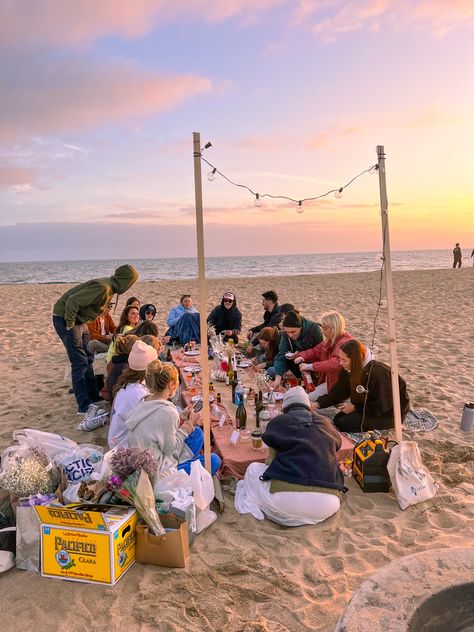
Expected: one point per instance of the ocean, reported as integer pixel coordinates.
(219, 267)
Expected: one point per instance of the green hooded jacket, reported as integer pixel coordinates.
(84, 302)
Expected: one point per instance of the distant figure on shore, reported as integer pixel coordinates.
(76, 307)
(457, 254)
(472, 257)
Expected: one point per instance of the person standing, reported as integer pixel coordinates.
(457, 254)
(76, 307)
(472, 257)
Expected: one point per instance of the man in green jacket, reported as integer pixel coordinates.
(76, 307)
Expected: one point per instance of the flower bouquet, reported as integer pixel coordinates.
(126, 461)
(136, 490)
(28, 471)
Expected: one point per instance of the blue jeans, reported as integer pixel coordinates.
(195, 443)
(82, 374)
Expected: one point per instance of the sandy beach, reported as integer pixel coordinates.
(245, 575)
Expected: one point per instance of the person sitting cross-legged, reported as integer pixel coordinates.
(183, 321)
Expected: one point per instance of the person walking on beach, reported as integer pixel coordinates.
(472, 257)
(76, 307)
(457, 254)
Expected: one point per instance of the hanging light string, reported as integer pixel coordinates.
(258, 196)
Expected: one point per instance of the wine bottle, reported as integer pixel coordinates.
(241, 415)
(308, 381)
(258, 408)
(238, 393)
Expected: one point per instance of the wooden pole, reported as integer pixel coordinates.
(206, 411)
(389, 289)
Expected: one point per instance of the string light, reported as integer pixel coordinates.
(211, 176)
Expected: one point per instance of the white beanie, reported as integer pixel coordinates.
(141, 355)
(295, 395)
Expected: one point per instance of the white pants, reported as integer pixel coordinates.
(290, 509)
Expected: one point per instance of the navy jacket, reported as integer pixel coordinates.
(305, 446)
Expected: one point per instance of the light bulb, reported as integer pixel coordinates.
(299, 208)
(361, 389)
(338, 193)
(383, 302)
(258, 201)
(374, 169)
(211, 176)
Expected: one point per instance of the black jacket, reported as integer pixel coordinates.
(223, 319)
(379, 397)
(270, 319)
(305, 446)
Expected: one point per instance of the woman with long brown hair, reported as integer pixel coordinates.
(269, 340)
(363, 392)
(128, 320)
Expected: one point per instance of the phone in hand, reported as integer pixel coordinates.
(198, 406)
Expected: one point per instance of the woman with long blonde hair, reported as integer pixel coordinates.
(323, 359)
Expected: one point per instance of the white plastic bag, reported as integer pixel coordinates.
(51, 443)
(201, 483)
(82, 463)
(173, 481)
(203, 491)
(410, 479)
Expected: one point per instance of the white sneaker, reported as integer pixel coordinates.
(92, 409)
(92, 421)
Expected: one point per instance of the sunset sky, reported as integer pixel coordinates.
(99, 99)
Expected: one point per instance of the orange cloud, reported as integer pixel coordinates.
(19, 177)
(75, 94)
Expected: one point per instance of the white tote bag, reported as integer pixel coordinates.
(410, 479)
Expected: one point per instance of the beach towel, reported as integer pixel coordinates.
(419, 420)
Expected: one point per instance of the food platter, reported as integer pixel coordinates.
(192, 353)
(244, 364)
(192, 369)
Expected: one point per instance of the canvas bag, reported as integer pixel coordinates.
(410, 479)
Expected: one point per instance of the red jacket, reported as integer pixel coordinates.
(95, 327)
(325, 359)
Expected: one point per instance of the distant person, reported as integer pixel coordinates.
(147, 312)
(76, 307)
(101, 331)
(226, 318)
(457, 254)
(271, 315)
(183, 321)
(372, 409)
(472, 257)
(298, 335)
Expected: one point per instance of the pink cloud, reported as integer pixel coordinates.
(75, 94)
(12, 176)
(76, 23)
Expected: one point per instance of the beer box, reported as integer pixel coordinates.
(87, 543)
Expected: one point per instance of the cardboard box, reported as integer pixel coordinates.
(87, 543)
(170, 550)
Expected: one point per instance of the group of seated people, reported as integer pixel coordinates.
(353, 389)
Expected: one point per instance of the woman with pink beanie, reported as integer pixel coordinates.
(129, 391)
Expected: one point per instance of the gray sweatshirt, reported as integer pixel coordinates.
(154, 424)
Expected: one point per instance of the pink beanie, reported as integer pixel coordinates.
(141, 355)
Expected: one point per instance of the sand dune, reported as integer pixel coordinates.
(246, 575)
